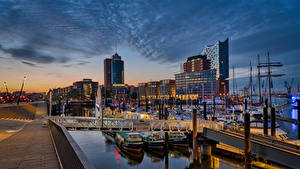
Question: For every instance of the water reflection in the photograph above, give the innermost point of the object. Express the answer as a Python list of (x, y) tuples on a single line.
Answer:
[(103, 153)]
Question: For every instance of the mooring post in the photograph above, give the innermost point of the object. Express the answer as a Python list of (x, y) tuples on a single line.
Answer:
[(265, 117), (273, 130), (204, 110), (214, 107), (298, 109), (247, 141), (166, 141), (195, 133), (166, 151)]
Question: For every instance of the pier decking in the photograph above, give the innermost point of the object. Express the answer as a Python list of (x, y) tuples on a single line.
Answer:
[(29, 148)]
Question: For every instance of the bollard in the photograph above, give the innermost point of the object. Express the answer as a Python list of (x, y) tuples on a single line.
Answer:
[(298, 111), (246, 106), (166, 151), (166, 140), (265, 117), (273, 130), (195, 133), (204, 110), (247, 141)]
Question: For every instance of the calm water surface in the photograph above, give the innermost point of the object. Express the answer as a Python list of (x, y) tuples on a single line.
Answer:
[(102, 153)]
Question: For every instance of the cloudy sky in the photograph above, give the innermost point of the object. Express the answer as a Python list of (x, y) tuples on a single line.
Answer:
[(57, 42)]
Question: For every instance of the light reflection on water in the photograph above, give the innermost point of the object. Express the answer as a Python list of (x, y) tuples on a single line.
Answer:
[(102, 153)]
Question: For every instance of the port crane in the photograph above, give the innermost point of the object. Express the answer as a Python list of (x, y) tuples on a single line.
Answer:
[(288, 86)]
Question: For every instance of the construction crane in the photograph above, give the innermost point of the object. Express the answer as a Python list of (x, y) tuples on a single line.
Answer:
[(288, 86)]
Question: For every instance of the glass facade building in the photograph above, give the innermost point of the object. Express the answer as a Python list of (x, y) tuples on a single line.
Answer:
[(113, 71), (218, 54), (196, 84)]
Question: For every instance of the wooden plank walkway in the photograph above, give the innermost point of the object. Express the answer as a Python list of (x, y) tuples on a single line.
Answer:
[(30, 148)]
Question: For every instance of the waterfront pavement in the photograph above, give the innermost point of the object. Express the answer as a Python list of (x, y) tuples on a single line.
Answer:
[(27, 144)]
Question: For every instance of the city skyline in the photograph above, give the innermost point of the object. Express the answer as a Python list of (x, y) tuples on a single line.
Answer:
[(57, 43)]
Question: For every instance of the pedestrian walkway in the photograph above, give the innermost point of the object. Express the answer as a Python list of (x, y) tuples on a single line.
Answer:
[(30, 148)]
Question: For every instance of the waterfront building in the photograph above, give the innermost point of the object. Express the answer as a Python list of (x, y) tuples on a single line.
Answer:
[(193, 85), (218, 54), (153, 90), (87, 88), (167, 89), (142, 91), (113, 71), (196, 63)]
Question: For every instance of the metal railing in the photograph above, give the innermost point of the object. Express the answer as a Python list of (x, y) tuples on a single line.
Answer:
[(70, 154)]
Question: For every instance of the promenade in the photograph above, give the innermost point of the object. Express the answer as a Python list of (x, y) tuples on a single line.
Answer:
[(29, 148)]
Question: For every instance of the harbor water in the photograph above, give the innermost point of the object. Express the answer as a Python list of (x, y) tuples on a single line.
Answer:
[(103, 153)]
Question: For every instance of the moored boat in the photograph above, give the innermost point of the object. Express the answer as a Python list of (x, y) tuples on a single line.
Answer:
[(178, 139), (153, 140), (129, 141)]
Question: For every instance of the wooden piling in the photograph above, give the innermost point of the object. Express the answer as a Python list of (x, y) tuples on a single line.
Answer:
[(265, 120), (273, 129), (204, 110), (195, 133), (247, 141), (298, 108)]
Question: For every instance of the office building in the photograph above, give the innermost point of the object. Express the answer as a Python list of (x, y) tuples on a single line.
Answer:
[(87, 88), (113, 71), (194, 85), (196, 63), (167, 89), (153, 89)]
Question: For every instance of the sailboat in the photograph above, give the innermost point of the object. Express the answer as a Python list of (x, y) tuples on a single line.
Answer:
[(98, 103)]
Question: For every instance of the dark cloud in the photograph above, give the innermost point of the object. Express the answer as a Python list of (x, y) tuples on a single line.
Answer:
[(29, 64), (164, 31)]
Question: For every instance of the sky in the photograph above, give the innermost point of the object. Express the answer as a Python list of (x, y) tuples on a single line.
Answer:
[(56, 42)]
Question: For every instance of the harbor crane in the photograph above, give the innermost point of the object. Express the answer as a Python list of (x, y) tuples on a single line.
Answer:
[(288, 86)]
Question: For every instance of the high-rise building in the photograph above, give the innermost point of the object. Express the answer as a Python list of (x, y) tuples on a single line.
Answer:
[(193, 85), (113, 71), (218, 54), (196, 63)]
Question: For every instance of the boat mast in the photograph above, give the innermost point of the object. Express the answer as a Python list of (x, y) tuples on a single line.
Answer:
[(250, 83), (233, 81), (258, 76)]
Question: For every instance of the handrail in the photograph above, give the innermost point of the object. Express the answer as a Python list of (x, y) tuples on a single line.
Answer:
[(69, 152)]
